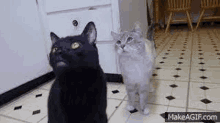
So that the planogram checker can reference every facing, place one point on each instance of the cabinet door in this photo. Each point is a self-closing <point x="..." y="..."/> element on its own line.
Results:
<point x="60" y="5"/>
<point x="61" y="23"/>
<point x="107" y="57"/>
<point x="23" y="51"/>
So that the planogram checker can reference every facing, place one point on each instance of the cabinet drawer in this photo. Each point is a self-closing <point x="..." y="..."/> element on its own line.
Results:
<point x="59" y="5"/>
<point x="61" y="23"/>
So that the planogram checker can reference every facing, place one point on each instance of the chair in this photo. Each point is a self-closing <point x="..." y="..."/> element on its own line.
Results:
<point x="178" y="6"/>
<point x="208" y="4"/>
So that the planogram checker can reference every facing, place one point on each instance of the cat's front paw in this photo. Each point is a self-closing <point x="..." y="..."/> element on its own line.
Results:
<point x="130" y="108"/>
<point x="146" y="111"/>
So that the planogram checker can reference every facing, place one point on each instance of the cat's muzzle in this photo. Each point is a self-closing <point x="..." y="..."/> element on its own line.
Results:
<point x="61" y="64"/>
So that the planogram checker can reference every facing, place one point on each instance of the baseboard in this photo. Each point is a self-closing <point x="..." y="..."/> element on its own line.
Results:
<point x="18" y="91"/>
<point x="24" y="88"/>
<point x="114" y="77"/>
<point x="194" y="24"/>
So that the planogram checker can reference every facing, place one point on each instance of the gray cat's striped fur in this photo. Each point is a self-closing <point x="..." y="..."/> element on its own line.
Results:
<point x="136" y="60"/>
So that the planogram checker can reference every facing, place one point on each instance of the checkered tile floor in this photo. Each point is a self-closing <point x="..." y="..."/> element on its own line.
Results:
<point x="187" y="78"/>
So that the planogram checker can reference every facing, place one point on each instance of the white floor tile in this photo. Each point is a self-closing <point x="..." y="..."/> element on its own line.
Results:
<point x="44" y="120"/>
<point x="151" y="118"/>
<point x="180" y="94"/>
<point x="157" y="109"/>
<point x="36" y="118"/>
<point x="47" y="86"/>
<point x="21" y="114"/>
<point x="121" y="115"/>
<point x="112" y="105"/>
<point x="20" y="101"/>
<point x="4" y="119"/>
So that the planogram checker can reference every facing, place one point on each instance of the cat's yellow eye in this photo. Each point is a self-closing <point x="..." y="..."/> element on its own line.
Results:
<point x="54" y="49"/>
<point x="75" y="45"/>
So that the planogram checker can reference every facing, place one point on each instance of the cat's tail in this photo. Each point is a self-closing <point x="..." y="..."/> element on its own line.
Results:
<point x="149" y="48"/>
<point x="151" y="33"/>
<point x="150" y="37"/>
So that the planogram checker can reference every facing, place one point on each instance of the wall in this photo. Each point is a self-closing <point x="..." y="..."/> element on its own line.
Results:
<point x="132" y="11"/>
<point x="23" y="51"/>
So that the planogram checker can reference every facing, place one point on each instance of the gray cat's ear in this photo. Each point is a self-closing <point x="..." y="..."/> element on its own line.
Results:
<point x="137" y="28"/>
<point x="114" y="35"/>
<point x="53" y="37"/>
<point x="90" y="33"/>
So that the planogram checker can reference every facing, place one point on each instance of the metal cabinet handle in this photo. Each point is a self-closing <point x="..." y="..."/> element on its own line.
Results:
<point x="75" y="23"/>
<point x="92" y="8"/>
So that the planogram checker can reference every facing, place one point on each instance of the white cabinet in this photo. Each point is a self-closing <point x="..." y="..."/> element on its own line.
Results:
<point x="23" y="51"/>
<point x="107" y="57"/>
<point x="108" y="15"/>
<point x="62" y="23"/>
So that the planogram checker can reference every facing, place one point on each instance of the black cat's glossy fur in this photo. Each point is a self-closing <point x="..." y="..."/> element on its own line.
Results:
<point x="78" y="94"/>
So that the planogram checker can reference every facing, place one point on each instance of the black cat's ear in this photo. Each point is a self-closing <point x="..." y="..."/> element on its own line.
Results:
<point x="53" y="37"/>
<point x="90" y="32"/>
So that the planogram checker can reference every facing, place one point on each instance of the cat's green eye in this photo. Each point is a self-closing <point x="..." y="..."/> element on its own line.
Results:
<point x="75" y="45"/>
<point x="129" y="39"/>
<point x="54" y="49"/>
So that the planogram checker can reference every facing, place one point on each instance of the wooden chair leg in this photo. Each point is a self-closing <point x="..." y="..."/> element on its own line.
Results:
<point x="168" y="23"/>
<point x="200" y="18"/>
<point x="189" y="20"/>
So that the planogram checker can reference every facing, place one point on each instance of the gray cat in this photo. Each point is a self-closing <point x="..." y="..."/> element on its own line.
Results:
<point x="136" y="60"/>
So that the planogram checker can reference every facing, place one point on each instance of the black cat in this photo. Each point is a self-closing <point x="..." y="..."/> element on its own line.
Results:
<point x="78" y="94"/>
